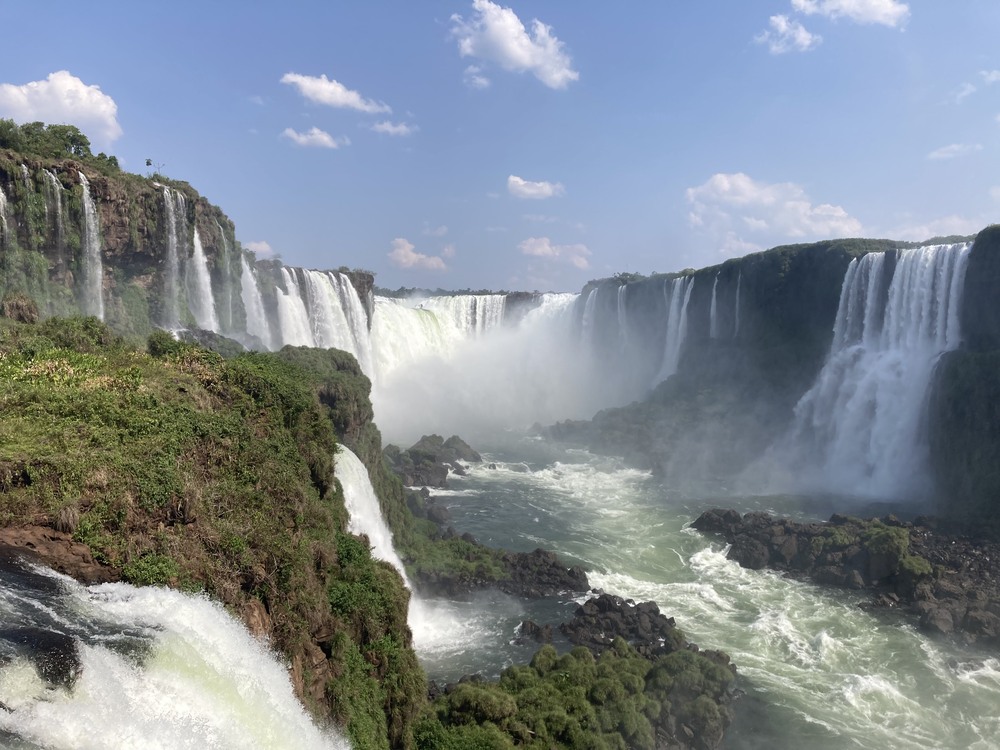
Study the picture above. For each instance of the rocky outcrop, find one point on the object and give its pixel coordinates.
(540, 573)
(948, 582)
(427, 462)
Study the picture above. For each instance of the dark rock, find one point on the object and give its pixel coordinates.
(531, 630)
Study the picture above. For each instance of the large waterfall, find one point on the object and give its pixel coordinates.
(253, 304)
(54, 206)
(677, 294)
(201, 301)
(3, 219)
(858, 429)
(92, 288)
(174, 208)
(145, 667)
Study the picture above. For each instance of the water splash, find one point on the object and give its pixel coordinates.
(92, 285)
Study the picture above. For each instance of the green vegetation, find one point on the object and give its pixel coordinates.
(615, 701)
(54, 142)
(180, 467)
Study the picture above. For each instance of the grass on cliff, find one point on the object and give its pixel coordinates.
(179, 467)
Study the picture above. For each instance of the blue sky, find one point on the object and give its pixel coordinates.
(533, 145)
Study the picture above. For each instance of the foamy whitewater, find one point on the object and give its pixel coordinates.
(160, 669)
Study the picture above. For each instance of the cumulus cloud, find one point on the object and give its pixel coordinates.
(332, 93)
(65, 99)
(495, 34)
(403, 255)
(954, 150)
(543, 247)
(520, 188)
(731, 206)
(392, 128)
(990, 76)
(260, 248)
(884, 12)
(315, 138)
(473, 77)
(786, 35)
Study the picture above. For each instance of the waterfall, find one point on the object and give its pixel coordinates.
(175, 210)
(622, 318)
(736, 306)
(859, 427)
(225, 307)
(26, 176)
(431, 626)
(53, 197)
(293, 318)
(677, 295)
(92, 288)
(155, 669)
(336, 317)
(253, 303)
(201, 303)
(4, 230)
(588, 321)
(713, 317)
(469, 313)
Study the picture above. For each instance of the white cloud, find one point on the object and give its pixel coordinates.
(261, 249)
(786, 35)
(497, 35)
(332, 93)
(990, 76)
(256, 99)
(62, 98)
(448, 251)
(942, 227)
(542, 247)
(533, 190)
(954, 150)
(884, 12)
(727, 205)
(966, 89)
(440, 231)
(473, 78)
(392, 128)
(316, 138)
(403, 255)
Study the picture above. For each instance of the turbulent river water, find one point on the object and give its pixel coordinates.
(818, 671)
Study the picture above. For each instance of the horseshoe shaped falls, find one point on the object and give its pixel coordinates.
(181, 569)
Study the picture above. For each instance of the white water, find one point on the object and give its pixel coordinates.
(293, 319)
(53, 205)
(253, 303)
(174, 209)
(622, 318)
(3, 219)
(225, 307)
(830, 675)
(92, 283)
(161, 669)
(677, 295)
(588, 320)
(336, 317)
(436, 629)
(858, 429)
(26, 178)
(713, 319)
(736, 308)
(201, 302)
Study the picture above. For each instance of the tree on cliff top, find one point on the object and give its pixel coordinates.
(50, 141)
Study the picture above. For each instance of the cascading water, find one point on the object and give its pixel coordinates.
(736, 306)
(116, 667)
(227, 298)
(713, 316)
(54, 206)
(201, 302)
(26, 178)
(175, 210)
(253, 303)
(588, 320)
(622, 317)
(858, 429)
(3, 219)
(92, 287)
(293, 318)
(470, 313)
(333, 313)
(677, 295)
